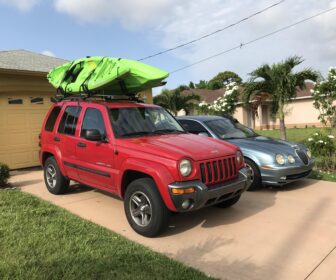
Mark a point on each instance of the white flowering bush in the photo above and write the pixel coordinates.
(324, 94)
(323, 148)
(224, 104)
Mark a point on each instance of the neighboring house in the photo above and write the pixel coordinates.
(25, 97)
(300, 111)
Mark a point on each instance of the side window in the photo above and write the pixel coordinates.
(69, 120)
(52, 119)
(93, 119)
(193, 127)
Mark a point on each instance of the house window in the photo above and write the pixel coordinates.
(15, 101)
(36, 100)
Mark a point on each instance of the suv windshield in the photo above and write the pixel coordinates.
(228, 129)
(142, 121)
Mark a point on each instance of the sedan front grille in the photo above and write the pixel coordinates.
(220, 170)
(303, 156)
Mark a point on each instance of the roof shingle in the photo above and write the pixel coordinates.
(22, 60)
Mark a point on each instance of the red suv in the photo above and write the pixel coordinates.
(142, 154)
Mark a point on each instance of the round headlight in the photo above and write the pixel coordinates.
(240, 158)
(185, 167)
(280, 159)
(309, 153)
(291, 159)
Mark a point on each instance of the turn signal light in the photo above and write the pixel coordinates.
(183, 191)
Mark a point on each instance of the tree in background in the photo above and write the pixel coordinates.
(174, 101)
(222, 79)
(191, 85)
(281, 83)
(203, 84)
(324, 95)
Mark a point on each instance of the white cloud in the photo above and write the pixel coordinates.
(48, 53)
(22, 5)
(315, 40)
(131, 13)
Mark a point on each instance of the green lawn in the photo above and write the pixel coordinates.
(41, 241)
(299, 135)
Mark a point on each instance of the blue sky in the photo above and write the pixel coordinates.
(135, 28)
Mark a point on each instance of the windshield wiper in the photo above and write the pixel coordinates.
(167, 131)
(137, 133)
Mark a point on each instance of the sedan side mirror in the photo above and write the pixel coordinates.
(93, 135)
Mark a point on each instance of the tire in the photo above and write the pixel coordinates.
(144, 208)
(228, 203)
(55, 182)
(255, 175)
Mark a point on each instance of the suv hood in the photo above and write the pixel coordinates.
(177, 146)
(265, 144)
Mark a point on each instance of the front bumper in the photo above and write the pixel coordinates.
(205, 196)
(279, 176)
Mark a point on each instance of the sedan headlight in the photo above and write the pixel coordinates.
(309, 153)
(280, 159)
(291, 159)
(185, 167)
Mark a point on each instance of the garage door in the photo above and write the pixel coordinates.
(21, 117)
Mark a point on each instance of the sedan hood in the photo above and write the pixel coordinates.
(177, 146)
(265, 144)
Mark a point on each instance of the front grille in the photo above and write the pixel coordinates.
(298, 176)
(219, 170)
(303, 156)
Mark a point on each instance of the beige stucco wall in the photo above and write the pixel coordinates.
(239, 114)
(300, 113)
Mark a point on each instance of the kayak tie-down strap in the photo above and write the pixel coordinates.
(85, 84)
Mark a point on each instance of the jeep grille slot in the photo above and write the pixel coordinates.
(219, 170)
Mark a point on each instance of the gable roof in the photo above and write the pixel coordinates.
(209, 96)
(22, 60)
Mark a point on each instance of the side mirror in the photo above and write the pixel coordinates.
(93, 135)
(203, 134)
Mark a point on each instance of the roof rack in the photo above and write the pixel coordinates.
(98, 96)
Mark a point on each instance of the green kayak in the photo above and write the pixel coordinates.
(105, 74)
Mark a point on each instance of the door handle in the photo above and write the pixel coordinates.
(57, 139)
(81, 145)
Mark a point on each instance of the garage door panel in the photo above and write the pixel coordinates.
(13, 139)
(20, 125)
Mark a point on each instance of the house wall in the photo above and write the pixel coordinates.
(300, 113)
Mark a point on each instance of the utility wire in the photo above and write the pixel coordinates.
(213, 33)
(255, 40)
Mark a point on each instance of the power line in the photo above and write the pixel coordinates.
(254, 40)
(215, 32)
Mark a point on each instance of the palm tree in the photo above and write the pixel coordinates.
(281, 83)
(174, 101)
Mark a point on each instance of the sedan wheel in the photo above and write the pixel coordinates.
(254, 175)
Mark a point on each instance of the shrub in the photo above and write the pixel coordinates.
(323, 148)
(4, 174)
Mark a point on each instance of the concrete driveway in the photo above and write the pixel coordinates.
(270, 234)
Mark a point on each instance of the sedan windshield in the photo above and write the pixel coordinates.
(141, 121)
(228, 129)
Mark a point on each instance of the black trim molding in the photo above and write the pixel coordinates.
(94, 171)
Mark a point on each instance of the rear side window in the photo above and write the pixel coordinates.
(52, 119)
(93, 119)
(193, 127)
(69, 120)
